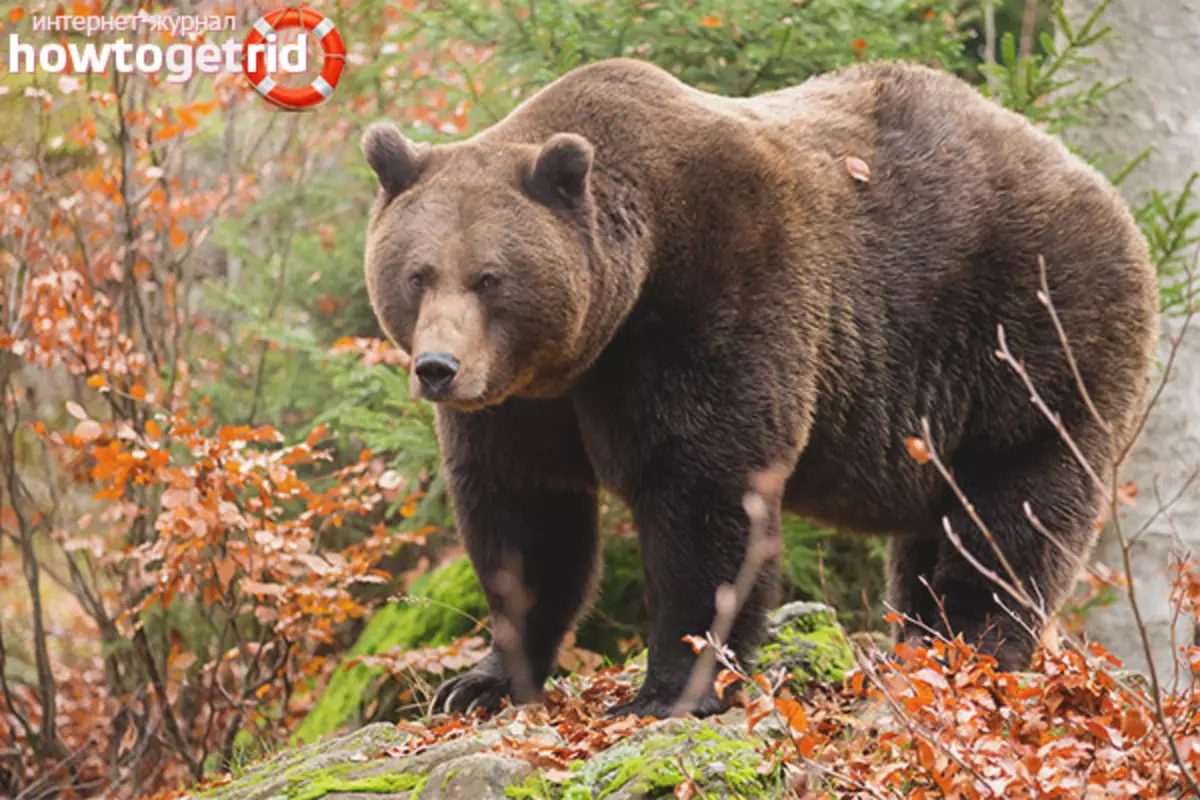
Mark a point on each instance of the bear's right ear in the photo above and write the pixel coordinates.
(560, 173)
(397, 162)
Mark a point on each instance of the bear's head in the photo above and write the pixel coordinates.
(480, 262)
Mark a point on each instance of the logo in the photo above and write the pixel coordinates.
(256, 58)
(260, 55)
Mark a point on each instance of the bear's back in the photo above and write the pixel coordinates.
(910, 272)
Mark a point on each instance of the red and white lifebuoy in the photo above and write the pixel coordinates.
(296, 99)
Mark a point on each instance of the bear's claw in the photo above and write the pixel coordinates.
(662, 705)
(474, 689)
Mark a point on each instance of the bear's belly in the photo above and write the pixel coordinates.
(872, 492)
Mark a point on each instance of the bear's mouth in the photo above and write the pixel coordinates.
(461, 404)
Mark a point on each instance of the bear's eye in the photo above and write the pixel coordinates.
(416, 280)
(487, 281)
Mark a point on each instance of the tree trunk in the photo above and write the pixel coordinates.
(1154, 44)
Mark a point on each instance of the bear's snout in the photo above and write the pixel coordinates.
(435, 371)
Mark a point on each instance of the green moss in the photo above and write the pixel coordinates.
(654, 765)
(440, 607)
(379, 784)
(535, 787)
(449, 777)
(312, 770)
(812, 647)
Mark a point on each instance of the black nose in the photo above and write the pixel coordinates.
(435, 371)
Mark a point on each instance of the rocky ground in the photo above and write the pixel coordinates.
(563, 747)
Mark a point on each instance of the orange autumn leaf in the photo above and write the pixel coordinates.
(16, 14)
(97, 381)
(724, 680)
(710, 22)
(168, 132)
(138, 392)
(793, 713)
(316, 434)
(917, 450)
(189, 116)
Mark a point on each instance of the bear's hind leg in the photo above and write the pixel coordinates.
(911, 562)
(1063, 498)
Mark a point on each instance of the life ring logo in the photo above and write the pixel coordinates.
(258, 46)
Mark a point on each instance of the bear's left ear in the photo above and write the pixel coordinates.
(396, 161)
(560, 173)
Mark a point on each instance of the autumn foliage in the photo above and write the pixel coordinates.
(175, 572)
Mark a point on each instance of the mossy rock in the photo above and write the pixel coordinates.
(805, 640)
(313, 771)
(440, 607)
(715, 754)
(721, 762)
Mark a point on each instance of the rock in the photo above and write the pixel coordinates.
(356, 766)
(311, 772)
(721, 761)
(476, 777)
(805, 639)
(716, 755)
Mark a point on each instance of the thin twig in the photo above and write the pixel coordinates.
(760, 503)
(1045, 299)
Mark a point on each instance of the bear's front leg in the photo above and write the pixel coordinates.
(695, 533)
(679, 425)
(525, 503)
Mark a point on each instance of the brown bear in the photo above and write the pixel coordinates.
(634, 284)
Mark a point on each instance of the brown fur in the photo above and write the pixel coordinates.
(691, 288)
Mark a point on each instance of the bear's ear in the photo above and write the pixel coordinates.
(397, 162)
(561, 171)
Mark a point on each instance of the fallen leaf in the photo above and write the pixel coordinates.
(858, 169)
(793, 712)
(917, 450)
